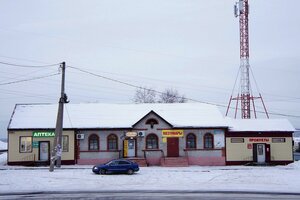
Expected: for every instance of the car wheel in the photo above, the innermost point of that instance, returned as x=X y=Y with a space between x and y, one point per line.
x=130 y=172
x=102 y=171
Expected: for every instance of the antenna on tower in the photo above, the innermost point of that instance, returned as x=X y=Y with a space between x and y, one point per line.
x=241 y=10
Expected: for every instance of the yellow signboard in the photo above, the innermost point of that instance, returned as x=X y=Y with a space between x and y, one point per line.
x=125 y=152
x=172 y=133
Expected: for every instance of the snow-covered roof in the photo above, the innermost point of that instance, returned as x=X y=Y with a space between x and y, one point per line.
x=259 y=125
x=96 y=115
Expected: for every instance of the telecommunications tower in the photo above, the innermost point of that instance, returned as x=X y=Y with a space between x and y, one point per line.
x=245 y=97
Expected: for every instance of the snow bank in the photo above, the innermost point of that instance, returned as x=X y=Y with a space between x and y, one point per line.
x=3 y=145
x=3 y=159
x=295 y=165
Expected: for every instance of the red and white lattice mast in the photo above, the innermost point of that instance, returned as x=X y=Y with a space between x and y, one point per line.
x=241 y=10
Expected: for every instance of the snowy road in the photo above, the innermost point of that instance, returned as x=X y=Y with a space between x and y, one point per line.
x=153 y=195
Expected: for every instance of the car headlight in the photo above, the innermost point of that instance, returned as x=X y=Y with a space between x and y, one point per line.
x=95 y=168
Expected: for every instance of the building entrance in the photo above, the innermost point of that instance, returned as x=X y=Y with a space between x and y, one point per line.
x=129 y=148
x=173 y=147
x=44 y=151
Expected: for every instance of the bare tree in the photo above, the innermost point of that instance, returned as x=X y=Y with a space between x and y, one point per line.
x=144 y=95
x=171 y=96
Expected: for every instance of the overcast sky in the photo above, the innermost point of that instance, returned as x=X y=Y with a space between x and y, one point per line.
x=188 y=45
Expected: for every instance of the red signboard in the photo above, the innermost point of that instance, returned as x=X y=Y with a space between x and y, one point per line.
x=259 y=139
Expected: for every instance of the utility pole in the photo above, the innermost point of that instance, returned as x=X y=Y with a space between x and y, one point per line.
x=57 y=145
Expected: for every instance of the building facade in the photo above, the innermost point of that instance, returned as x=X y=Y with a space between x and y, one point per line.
x=150 y=134
x=259 y=141
x=156 y=134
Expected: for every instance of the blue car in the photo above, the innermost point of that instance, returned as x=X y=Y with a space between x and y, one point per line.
x=116 y=166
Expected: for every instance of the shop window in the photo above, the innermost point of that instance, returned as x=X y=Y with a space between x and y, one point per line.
x=191 y=141
x=25 y=144
x=237 y=140
x=278 y=140
x=112 y=142
x=208 y=141
x=65 y=143
x=151 y=141
x=94 y=142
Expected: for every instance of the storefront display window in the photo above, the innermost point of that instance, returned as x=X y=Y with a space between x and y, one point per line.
x=278 y=140
x=65 y=143
x=25 y=144
x=237 y=140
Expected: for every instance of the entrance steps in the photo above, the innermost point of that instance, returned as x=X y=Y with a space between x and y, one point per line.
x=174 y=162
x=141 y=161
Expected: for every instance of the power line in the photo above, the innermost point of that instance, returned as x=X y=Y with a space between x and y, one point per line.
x=115 y=80
x=31 y=79
x=37 y=61
x=139 y=87
x=134 y=86
x=19 y=65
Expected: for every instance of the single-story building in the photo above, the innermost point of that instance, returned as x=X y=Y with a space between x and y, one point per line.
x=178 y=134
x=259 y=141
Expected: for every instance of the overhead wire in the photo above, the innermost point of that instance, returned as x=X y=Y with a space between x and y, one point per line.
x=139 y=87
x=118 y=81
x=30 y=79
x=31 y=66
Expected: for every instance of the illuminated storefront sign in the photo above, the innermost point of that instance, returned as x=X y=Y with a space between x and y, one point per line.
x=43 y=134
x=172 y=133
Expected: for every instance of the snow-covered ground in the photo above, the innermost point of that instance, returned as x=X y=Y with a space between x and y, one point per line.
x=3 y=145
x=226 y=178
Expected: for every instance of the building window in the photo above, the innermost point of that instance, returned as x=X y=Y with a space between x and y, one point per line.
x=191 y=141
x=208 y=141
x=278 y=140
x=112 y=142
x=65 y=143
x=151 y=141
x=237 y=140
x=94 y=142
x=25 y=144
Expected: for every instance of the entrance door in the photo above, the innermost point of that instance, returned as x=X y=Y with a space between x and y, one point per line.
x=44 y=151
x=173 y=147
x=261 y=153
x=131 y=148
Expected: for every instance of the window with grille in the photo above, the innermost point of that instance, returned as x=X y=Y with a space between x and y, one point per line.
x=94 y=142
x=112 y=142
x=151 y=142
x=191 y=141
x=208 y=141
